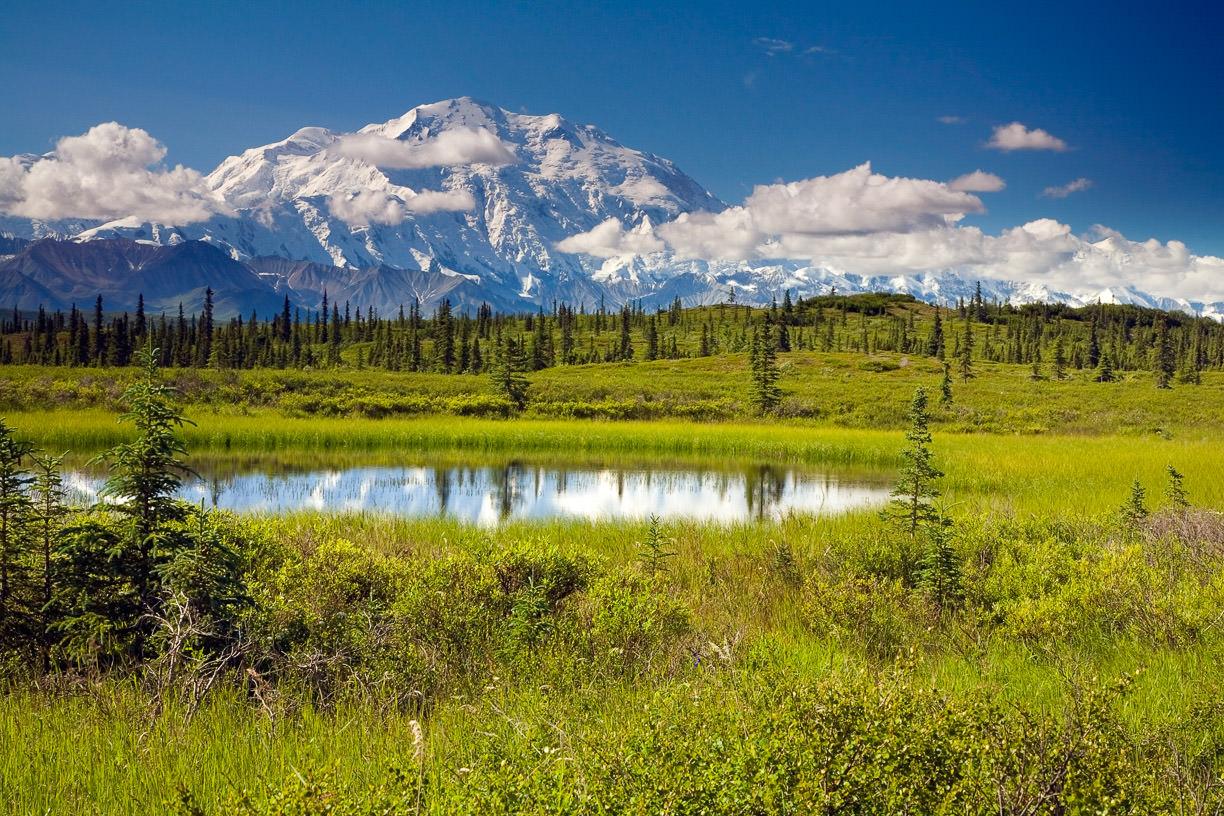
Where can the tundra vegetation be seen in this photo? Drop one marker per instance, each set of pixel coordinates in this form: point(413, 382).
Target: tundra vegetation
point(1031, 626)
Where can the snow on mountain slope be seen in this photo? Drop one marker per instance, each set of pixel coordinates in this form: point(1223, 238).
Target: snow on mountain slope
point(561, 180)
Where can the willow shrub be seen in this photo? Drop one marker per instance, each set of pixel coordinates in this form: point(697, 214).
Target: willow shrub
point(343, 620)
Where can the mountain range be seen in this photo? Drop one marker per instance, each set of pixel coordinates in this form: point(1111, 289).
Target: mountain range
point(280, 234)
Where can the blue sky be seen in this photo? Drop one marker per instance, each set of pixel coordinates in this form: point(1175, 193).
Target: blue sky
point(1134, 92)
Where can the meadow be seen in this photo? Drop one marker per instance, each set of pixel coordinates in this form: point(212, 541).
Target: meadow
point(1051, 644)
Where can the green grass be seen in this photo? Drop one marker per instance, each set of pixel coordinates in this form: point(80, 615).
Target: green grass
point(832, 389)
point(96, 745)
point(1045, 474)
point(1061, 600)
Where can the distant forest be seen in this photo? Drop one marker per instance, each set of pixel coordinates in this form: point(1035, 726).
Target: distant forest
point(1049, 337)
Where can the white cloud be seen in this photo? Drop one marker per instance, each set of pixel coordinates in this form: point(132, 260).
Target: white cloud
point(610, 239)
point(1018, 137)
point(109, 172)
point(1064, 190)
point(857, 201)
point(979, 181)
point(951, 120)
point(389, 207)
point(864, 223)
point(773, 46)
point(449, 148)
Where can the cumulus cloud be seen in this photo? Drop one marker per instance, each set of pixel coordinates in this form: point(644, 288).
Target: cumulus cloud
point(863, 223)
point(109, 172)
point(1064, 190)
point(858, 200)
point(366, 207)
point(610, 239)
point(450, 148)
point(1018, 137)
point(979, 181)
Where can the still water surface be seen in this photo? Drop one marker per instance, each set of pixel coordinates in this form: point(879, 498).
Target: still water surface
point(489, 495)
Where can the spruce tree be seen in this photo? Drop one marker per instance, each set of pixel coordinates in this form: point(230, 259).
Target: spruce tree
point(939, 568)
point(763, 360)
point(935, 346)
point(1060, 359)
point(1163, 351)
point(14, 522)
point(1175, 491)
point(147, 472)
point(945, 387)
point(507, 372)
point(48, 514)
point(652, 339)
point(1105, 372)
point(1134, 510)
point(966, 353)
point(625, 350)
point(911, 507)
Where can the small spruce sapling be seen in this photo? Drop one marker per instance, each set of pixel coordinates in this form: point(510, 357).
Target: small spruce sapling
point(1135, 509)
point(654, 548)
point(939, 569)
point(945, 387)
point(1175, 491)
point(912, 506)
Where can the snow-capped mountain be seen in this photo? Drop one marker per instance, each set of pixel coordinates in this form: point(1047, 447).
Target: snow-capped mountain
point(564, 179)
point(557, 179)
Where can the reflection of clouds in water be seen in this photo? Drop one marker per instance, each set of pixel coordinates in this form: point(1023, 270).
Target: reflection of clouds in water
point(487, 496)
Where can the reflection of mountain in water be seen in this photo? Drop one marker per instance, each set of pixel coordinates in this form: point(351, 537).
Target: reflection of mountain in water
point(488, 495)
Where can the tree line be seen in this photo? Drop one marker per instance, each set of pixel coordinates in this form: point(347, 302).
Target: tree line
point(1052, 340)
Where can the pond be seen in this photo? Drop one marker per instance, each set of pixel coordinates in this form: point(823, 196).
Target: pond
point(489, 494)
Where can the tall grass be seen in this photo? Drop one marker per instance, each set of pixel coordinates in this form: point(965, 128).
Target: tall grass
point(1021, 473)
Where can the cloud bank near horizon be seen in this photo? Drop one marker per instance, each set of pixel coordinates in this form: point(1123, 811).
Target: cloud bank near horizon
point(866, 223)
point(858, 221)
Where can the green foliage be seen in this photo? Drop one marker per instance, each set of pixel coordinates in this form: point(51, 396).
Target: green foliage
point(507, 372)
point(945, 387)
point(939, 570)
point(16, 603)
point(1175, 491)
point(911, 507)
point(1135, 510)
point(763, 358)
point(654, 552)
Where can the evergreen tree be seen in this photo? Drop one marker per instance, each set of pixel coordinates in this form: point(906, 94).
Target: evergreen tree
point(763, 360)
point(507, 372)
point(14, 521)
point(939, 568)
point(1105, 372)
point(1135, 509)
point(146, 473)
point(47, 519)
point(652, 339)
point(1060, 358)
point(966, 352)
point(935, 346)
point(911, 507)
point(945, 387)
point(625, 350)
point(1163, 351)
point(1175, 491)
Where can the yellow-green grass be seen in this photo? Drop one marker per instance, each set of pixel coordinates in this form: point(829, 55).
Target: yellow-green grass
point(844, 390)
point(99, 748)
point(1045, 474)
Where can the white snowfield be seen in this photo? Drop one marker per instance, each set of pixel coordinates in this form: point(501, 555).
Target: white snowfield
point(466, 200)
